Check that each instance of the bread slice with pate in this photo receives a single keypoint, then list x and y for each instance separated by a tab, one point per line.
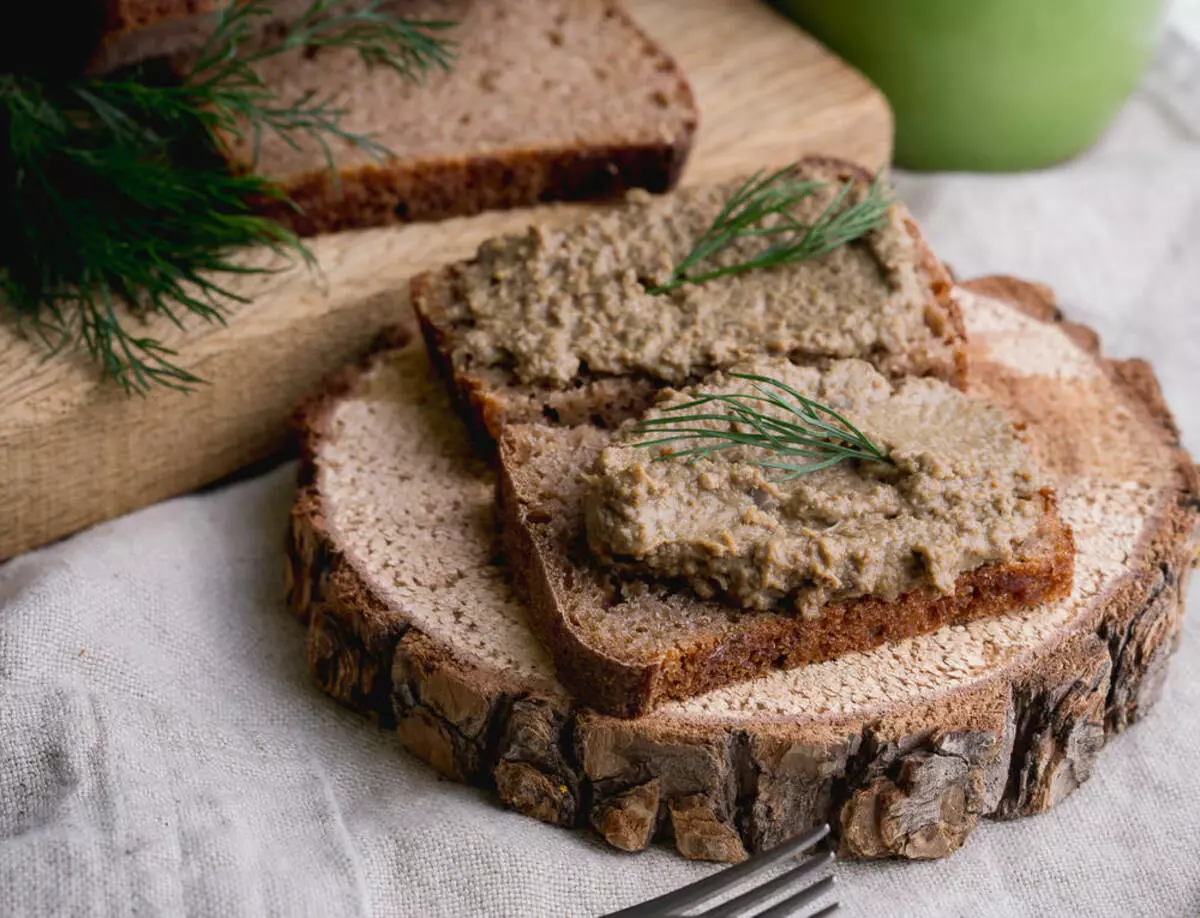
654	577
560	326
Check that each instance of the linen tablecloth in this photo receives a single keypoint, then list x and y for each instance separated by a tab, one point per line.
164	752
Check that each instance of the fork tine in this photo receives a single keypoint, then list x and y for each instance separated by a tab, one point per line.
722	880
827	910
788	908
745	903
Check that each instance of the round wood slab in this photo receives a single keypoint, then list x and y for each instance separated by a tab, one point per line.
901	749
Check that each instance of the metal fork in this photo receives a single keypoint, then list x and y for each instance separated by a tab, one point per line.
697	894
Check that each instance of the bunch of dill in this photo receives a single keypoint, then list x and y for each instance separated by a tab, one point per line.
120	203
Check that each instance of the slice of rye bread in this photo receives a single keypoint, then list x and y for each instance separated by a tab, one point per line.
493	395
413	621
546	100
625	644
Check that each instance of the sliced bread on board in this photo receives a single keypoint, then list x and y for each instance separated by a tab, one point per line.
395	565
560	326
545	100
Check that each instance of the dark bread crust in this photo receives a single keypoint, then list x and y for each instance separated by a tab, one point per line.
910	779
493	399
601	673
401	191
943	314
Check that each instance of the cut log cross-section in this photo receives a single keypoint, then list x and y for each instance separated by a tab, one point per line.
414	620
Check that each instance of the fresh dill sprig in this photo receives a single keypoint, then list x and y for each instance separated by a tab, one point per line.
801	433
745	216
102	219
121	203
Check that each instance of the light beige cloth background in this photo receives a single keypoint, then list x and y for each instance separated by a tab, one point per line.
163	750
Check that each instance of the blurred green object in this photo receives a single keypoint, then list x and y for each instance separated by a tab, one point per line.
992	85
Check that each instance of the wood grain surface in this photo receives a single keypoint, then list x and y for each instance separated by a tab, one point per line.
73	453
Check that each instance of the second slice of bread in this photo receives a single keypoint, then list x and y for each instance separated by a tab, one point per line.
545	100
625	645
492	392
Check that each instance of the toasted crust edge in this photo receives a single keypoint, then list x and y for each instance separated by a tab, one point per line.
1023	739
401	192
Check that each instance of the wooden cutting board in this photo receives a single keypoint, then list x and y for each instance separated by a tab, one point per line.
73	452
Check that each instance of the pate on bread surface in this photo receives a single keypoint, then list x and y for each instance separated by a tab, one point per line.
957	491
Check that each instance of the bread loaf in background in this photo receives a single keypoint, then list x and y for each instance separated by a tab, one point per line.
546	100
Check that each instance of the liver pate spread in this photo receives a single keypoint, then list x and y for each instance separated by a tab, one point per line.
552	305
960	493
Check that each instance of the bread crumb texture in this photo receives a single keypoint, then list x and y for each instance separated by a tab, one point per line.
527	74
556	305
413	510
